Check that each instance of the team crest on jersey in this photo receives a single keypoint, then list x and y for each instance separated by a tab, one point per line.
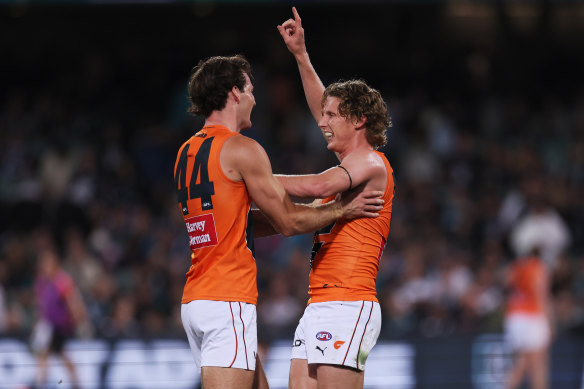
202	231
323	336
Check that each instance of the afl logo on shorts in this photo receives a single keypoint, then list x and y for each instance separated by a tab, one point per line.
324	336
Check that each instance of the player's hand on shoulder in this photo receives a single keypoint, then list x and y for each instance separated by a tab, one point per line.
362	204
293	34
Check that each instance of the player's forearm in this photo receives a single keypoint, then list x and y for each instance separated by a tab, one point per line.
305	186
313	86
308	218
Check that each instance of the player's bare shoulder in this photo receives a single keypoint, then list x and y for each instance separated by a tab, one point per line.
242	147
369	166
376	160
240	152
366	160
378	170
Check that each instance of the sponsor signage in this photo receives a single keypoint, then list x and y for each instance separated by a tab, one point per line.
202	231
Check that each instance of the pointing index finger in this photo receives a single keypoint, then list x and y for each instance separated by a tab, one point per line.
296	16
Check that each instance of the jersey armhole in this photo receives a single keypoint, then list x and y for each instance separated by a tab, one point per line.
218	162
389	175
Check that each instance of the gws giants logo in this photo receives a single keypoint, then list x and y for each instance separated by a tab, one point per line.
324	336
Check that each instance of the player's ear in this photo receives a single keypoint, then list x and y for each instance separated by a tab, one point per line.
236	93
359	122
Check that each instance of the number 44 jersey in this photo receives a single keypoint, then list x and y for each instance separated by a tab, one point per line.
215	210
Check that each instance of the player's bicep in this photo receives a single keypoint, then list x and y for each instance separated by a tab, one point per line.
360	171
332	181
265	190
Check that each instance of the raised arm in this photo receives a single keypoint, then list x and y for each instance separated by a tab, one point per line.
288	218
293	34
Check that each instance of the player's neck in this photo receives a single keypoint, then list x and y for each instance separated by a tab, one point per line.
358	144
225	117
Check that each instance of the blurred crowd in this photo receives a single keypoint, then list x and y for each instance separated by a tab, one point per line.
86	157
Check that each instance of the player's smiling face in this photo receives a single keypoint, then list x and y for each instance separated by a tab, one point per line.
337	130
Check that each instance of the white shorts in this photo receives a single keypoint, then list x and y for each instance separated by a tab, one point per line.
524	332
337	333
221	333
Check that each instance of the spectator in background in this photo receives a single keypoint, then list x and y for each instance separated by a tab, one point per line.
61	313
482	301
528	319
414	287
80	262
122	323
280	310
541	225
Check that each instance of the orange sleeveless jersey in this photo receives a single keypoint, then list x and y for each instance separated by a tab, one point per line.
523	297
215	209
345	255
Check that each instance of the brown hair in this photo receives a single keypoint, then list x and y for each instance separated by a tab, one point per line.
212	79
357	100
